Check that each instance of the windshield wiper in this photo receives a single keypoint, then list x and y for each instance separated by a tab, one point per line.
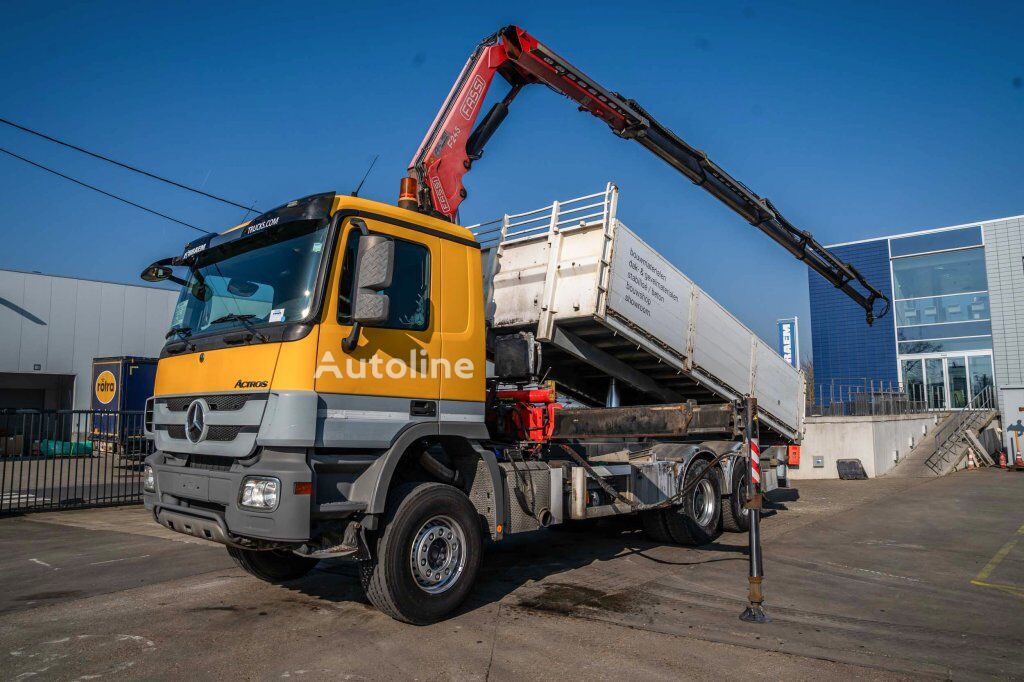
182	331
245	320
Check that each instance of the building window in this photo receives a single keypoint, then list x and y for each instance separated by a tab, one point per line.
942	303
936	241
957	368
936	386
913	380
949	330
939	274
981	375
945	345
936	309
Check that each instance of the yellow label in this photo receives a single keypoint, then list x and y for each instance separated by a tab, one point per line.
106	387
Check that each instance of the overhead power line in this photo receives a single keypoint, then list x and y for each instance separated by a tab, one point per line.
103	192
125	165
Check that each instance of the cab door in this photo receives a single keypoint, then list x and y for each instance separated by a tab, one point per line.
369	394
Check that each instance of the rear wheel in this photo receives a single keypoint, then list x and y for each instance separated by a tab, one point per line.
696	520
426	558
654	525
735	518
273	566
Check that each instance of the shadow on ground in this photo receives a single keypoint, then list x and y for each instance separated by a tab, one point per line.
531	558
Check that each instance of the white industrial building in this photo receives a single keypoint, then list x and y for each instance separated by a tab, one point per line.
52	327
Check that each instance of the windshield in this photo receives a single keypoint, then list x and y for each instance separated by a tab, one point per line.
266	278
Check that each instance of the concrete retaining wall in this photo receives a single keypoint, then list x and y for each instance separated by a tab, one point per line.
872	440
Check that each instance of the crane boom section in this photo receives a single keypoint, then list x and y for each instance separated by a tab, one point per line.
455	140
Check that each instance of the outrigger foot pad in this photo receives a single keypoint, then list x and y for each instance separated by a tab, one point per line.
755	614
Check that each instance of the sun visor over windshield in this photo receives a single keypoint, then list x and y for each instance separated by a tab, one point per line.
314	207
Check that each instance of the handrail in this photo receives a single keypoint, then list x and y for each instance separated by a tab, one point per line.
952	432
556	216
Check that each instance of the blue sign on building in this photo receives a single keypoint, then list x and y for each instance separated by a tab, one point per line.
789	346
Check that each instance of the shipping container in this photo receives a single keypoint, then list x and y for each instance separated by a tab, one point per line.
120	388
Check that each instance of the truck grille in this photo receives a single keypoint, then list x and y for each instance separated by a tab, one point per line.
223	432
218	403
220	433
210	462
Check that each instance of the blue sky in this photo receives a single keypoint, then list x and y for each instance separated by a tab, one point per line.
857	119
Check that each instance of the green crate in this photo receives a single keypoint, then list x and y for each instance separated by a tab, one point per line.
63	448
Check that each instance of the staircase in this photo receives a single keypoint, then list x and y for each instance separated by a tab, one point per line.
950	443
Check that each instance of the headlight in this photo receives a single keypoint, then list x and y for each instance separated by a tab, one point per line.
260	493
148	480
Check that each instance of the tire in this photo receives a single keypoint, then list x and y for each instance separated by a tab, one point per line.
654	526
735	518
409	592
697	520
273	566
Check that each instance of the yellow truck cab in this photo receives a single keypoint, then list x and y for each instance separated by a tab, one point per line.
310	350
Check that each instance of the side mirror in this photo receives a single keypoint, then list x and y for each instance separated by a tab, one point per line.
375	268
160	271
156	273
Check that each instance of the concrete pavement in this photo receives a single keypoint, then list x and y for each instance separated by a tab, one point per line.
876	579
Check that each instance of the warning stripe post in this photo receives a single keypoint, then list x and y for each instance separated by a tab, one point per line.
754	613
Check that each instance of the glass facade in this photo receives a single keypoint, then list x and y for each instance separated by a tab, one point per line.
937	343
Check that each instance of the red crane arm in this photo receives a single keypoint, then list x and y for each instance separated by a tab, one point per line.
450	145
454	141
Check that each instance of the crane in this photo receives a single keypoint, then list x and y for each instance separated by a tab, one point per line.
454	141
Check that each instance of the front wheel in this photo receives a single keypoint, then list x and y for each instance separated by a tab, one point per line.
427	556
273	566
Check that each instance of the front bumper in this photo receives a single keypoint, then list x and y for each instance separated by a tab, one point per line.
203	502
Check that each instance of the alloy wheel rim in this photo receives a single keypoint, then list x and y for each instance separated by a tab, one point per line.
438	554
703	503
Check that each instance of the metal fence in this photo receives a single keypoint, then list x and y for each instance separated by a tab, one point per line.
862	397
65	459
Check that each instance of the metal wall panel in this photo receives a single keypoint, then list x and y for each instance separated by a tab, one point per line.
722	346
133	326
646	289
60	349
1004	263
844	347
61	324
111	314
34	331
12	295
777	387
87	340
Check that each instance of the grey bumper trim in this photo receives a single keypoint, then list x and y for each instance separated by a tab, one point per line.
198	523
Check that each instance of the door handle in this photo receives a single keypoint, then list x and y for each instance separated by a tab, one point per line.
423	408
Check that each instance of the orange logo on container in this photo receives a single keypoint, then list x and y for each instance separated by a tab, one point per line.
106	387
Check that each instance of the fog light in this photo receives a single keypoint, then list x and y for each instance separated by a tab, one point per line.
259	493
148	480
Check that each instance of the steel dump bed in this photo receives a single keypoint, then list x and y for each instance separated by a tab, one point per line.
605	304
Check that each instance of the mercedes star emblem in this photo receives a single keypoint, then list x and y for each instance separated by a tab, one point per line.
195	421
